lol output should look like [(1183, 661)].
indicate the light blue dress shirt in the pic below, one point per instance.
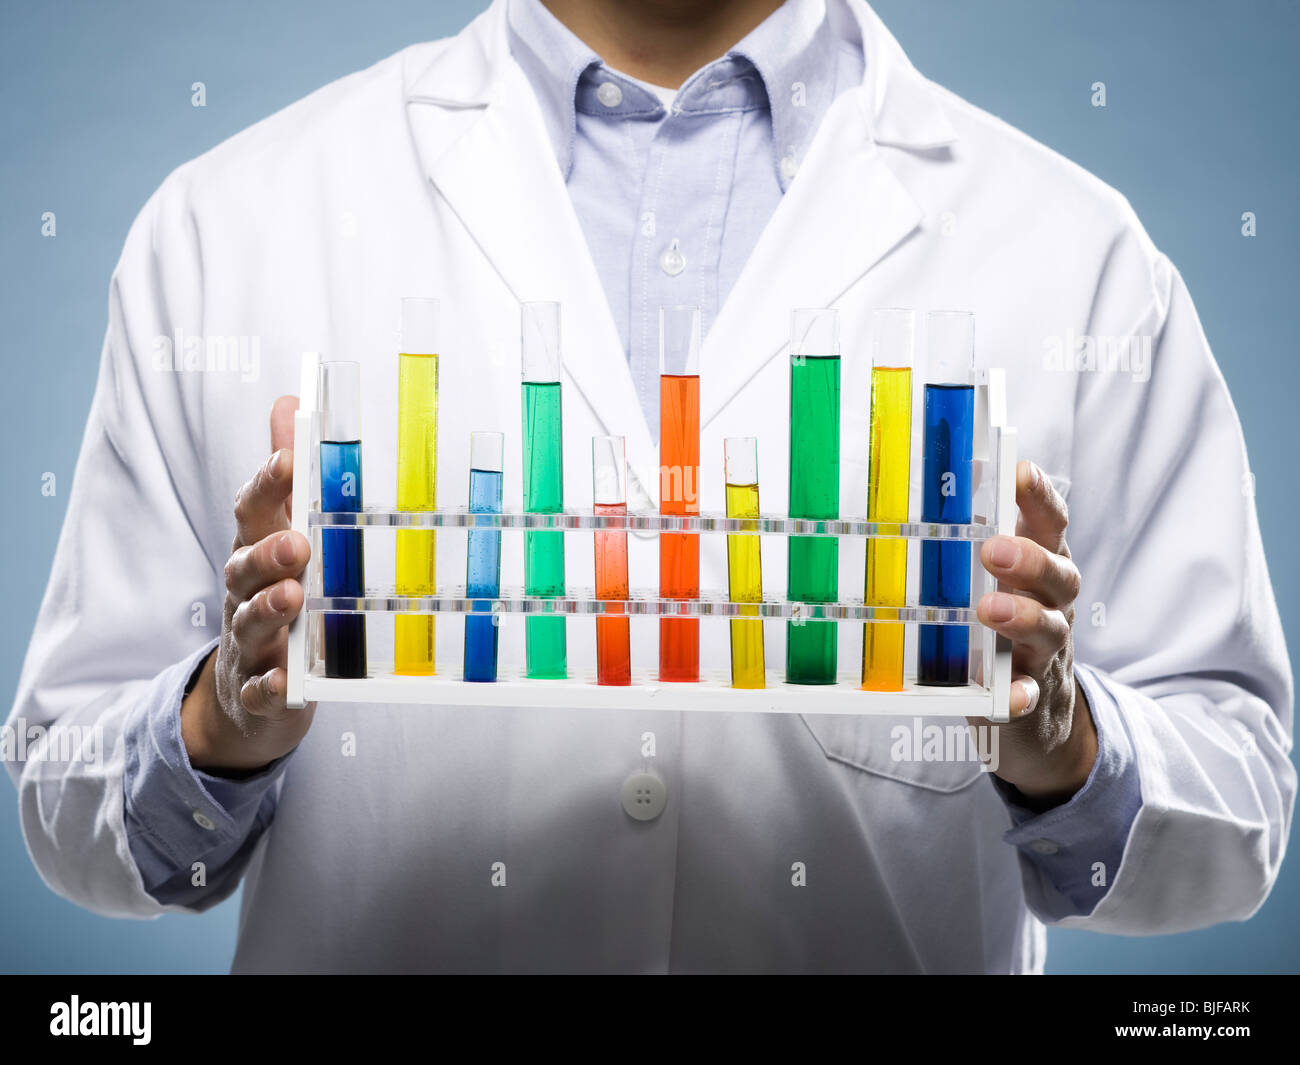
[(671, 199)]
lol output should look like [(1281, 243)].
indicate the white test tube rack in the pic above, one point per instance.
[(986, 693)]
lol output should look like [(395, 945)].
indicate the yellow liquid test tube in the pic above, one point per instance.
[(889, 473), (744, 562), (417, 480)]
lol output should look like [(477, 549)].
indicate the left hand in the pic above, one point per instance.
[(1048, 749)]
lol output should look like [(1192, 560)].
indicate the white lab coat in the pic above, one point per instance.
[(431, 174)]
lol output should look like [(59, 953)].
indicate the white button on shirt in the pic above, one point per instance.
[(671, 260), (609, 94)]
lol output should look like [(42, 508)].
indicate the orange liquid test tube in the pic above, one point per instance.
[(613, 633), (679, 479)]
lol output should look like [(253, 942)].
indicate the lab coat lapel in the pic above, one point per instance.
[(482, 142), (843, 213)]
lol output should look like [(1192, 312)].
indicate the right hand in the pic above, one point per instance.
[(235, 720)]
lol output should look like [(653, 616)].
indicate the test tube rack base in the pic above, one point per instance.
[(986, 694)]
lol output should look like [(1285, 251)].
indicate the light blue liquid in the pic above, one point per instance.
[(482, 578), (343, 561), (943, 651)]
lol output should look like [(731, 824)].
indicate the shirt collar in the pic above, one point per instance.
[(786, 65)]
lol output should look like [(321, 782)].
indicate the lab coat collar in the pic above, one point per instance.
[(482, 140)]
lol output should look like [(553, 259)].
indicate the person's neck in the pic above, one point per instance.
[(663, 42)]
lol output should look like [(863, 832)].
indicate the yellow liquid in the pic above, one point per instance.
[(745, 579), (890, 461), (417, 489)]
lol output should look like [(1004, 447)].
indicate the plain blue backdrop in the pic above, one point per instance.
[(1200, 126)]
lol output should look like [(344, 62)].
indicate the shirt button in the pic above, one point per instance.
[(1044, 846), (644, 796), (671, 260), (204, 821), (609, 94), (789, 167)]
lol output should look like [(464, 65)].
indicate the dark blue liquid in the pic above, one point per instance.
[(482, 578), (344, 564), (944, 650)]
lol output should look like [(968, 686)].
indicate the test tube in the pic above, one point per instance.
[(813, 561), (340, 476), (546, 651), (483, 556), (417, 479), (613, 633), (744, 562), (888, 476), (943, 650), (679, 478)]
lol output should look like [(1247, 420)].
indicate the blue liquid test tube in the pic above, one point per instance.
[(943, 651), (483, 556), (343, 560)]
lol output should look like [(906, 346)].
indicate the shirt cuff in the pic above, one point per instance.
[(185, 827), (1071, 853)]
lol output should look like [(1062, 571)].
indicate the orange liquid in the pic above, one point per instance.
[(613, 634), (679, 553)]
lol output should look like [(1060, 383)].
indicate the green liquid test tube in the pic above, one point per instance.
[(543, 471), (813, 561)]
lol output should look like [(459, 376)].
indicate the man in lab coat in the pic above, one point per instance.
[(748, 158)]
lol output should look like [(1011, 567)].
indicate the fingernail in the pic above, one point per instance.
[(1002, 607), (273, 465), (1004, 553), (272, 684), (1030, 688), (284, 553), (277, 599)]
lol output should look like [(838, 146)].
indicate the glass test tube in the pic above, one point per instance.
[(813, 574), (679, 478), (340, 475), (483, 556), (744, 562), (546, 651), (613, 634), (943, 650), (417, 479), (888, 477)]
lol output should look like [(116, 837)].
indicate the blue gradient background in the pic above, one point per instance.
[(95, 110)]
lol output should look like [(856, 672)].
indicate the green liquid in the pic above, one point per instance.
[(813, 575), (544, 551)]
